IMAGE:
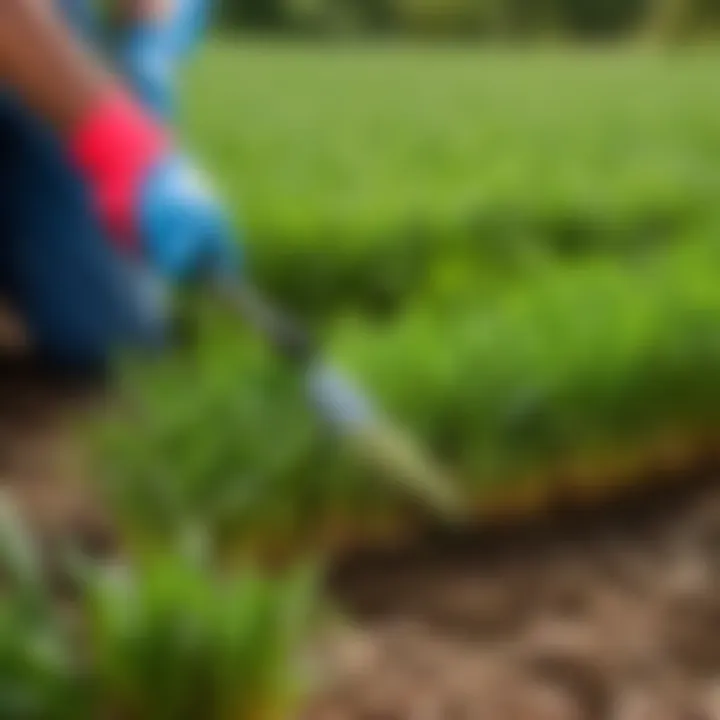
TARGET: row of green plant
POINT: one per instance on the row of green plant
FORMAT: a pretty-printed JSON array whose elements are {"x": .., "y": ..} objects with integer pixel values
[
  {"x": 359, "y": 171},
  {"x": 575, "y": 370},
  {"x": 378, "y": 271},
  {"x": 590, "y": 375}
]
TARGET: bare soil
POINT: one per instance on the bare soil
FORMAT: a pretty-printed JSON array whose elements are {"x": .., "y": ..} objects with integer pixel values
[
  {"x": 604, "y": 614},
  {"x": 609, "y": 614},
  {"x": 41, "y": 419}
]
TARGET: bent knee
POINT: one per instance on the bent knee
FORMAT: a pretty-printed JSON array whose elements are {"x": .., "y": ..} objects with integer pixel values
[{"x": 134, "y": 316}]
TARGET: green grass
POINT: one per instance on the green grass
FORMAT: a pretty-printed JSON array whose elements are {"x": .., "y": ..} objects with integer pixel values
[
  {"x": 162, "y": 637},
  {"x": 363, "y": 173}
]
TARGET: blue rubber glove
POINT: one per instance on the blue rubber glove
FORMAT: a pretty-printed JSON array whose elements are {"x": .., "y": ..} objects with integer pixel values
[
  {"x": 151, "y": 53},
  {"x": 186, "y": 234}
]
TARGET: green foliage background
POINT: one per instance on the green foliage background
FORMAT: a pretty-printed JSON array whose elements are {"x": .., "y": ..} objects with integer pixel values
[
  {"x": 365, "y": 174},
  {"x": 478, "y": 18}
]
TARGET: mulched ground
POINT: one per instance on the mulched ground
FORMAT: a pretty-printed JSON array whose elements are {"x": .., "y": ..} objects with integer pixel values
[
  {"x": 607, "y": 615},
  {"x": 612, "y": 614},
  {"x": 40, "y": 417}
]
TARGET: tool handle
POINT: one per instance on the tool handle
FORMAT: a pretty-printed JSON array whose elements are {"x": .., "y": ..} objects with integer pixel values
[
  {"x": 285, "y": 334},
  {"x": 343, "y": 406}
]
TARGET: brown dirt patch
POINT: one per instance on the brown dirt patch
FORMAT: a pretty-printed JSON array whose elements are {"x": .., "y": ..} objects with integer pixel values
[
  {"x": 611, "y": 614},
  {"x": 40, "y": 420}
]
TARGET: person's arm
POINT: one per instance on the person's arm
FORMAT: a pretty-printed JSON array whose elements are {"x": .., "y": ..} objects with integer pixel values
[
  {"x": 42, "y": 63},
  {"x": 146, "y": 193}
]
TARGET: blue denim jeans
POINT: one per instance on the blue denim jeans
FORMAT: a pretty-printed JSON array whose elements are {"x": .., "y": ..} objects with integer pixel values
[{"x": 80, "y": 300}]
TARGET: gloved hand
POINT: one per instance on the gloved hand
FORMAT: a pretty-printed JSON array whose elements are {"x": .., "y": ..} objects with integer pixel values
[
  {"x": 154, "y": 203},
  {"x": 152, "y": 49},
  {"x": 184, "y": 228}
]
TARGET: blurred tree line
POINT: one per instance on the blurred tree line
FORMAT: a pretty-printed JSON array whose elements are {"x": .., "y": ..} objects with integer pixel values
[{"x": 478, "y": 18}]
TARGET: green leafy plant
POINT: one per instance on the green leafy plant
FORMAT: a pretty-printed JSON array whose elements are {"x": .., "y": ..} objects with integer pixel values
[
  {"x": 597, "y": 375},
  {"x": 41, "y": 673},
  {"x": 166, "y": 638},
  {"x": 219, "y": 445},
  {"x": 170, "y": 640},
  {"x": 592, "y": 374}
]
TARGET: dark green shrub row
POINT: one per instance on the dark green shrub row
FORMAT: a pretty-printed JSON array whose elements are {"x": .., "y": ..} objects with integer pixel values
[{"x": 325, "y": 274}]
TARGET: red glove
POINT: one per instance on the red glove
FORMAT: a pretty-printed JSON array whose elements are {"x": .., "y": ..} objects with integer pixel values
[
  {"x": 153, "y": 200},
  {"x": 116, "y": 147}
]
